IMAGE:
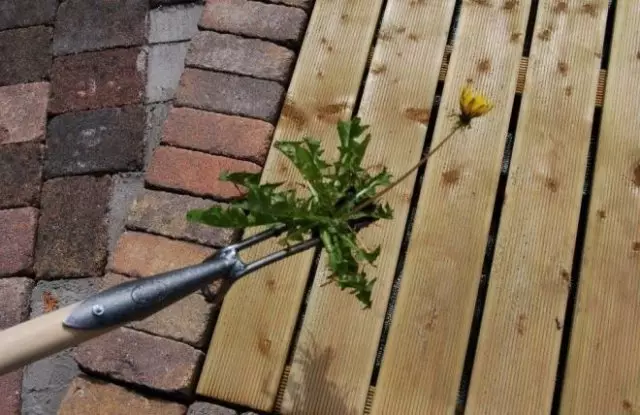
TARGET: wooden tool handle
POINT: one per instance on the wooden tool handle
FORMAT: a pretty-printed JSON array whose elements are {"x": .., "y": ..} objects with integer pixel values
[{"x": 40, "y": 337}]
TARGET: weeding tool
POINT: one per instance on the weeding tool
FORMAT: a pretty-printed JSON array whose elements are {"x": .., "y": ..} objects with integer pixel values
[{"x": 136, "y": 300}]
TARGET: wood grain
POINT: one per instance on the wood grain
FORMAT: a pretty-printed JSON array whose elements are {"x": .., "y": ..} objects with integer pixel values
[
  {"x": 603, "y": 368},
  {"x": 335, "y": 354},
  {"x": 423, "y": 359},
  {"x": 251, "y": 340},
  {"x": 517, "y": 355}
]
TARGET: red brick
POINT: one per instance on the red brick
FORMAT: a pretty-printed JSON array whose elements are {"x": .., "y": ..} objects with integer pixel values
[
  {"x": 10, "y": 389},
  {"x": 26, "y": 55},
  {"x": 230, "y": 94},
  {"x": 89, "y": 25},
  {"x": 18, "y": 230},
  {"x": 165, "y": 214},
  {"x": 195, "y": 172},
  {"x": 225, "y": 135},
  {"x": 20, "y": 174},
  {"x": 15, "y": 295},
  {"x": 24, "y": 112},
  {"x": 92, "y": 396},
  {"x": 254, "y": 19},
  {"x": 21, "y": 13},
  {"x": 135, "y": 357},
  {"x": 187, "y": 320},
  {"x": 72, "y": 234},
  {"x": 105, "y": 140},
  {"x": 229, "y": 53},
  {"x": 94, "y": 80},
  {"x": 142, "y": 255}
]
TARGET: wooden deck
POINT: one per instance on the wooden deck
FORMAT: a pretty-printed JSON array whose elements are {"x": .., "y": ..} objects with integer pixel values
[{"x": 510, "y": 276}]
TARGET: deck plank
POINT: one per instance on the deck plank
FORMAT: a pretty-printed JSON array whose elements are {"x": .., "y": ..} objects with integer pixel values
[
  {"x": 251, "y": 340},
  {"x": 336, "y": 351},
  {"x": 603, "y": 370},
  {"x": 516, "y": 361},
  {"x": 424, "y": 356}
]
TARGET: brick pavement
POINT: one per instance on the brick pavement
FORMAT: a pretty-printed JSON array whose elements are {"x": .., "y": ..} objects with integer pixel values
[{"x": 95, "y": 185}]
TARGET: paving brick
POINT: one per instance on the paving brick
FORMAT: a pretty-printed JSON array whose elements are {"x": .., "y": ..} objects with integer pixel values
[
  {"x": 230, "y": 53},
  {"x": 105, "y": 140},
  {"x": 175, "y": 23},
  {"x": 165, "y": 214},
  {"x": 15, "y": 295},
  {"x": 142, "y": 255},
  {"x": 24, "y": 112},
  {"x": 87, "y": 25},
  {"x": 46, "y": 380},
  {"x": 20, "y": 173},
  {"x": 205, "y": 408},
  {"x": 135, "y": 357},
  {"x": 156, "y": 116},
  {"x": 225, "y": 135},
  {"x": 21, "y": 63},
  {"x": 230, "y": 94},
  {"x": 91, "y": 396},
  {"x": 95, "y": 80},
  {"x": 20, "y": 13},
  {"x": 10, "y": 387},
  {"x": 72, "y": 234},
  {"x": 187, "y": 320},
  {"x": 254, "y": 19},
  {"x": 166, "y": 64},
  {"x": 194, "y": 172},
  {"x": 126, "y": 188},
  {"x": 18, "y": 230}
]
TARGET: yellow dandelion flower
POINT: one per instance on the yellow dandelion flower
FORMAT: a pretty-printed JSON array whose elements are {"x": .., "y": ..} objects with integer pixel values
[{"x": 472, "y": 105}]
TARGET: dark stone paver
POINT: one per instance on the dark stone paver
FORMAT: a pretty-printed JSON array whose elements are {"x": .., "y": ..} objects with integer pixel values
[
  {"x": 20, "y": 173},
  {"x": 165, "y": 214},
  {"x": 72, "y": 233},
  {"x": 92, "y": 396},
  {"x": 95, "y": 80},
  {"x": 230, "y": 94},
  {"x": 106, "y": 140},
  {"x": 225, "y": 135},
  {"x": 135, "y": 357},
  {"x": 230, "y": 53},
  {"x": 19, "y": 13},
  {"x": 142, "y": 255},
  {"x": 194, "y": 172},
  {"x": 18, "y": 228},
  {"x": 26, "y": 55},
  {"x": 205, "y": 408},
  {"x": 187, "y": 320},
  {"x": 255, "y": 19},
  {"x": 46, "y": 380},
  {"x": 174, "y": 23},
  {"x": 83, "y": 25},
  {"x": 16, "y": 295},
  {"x": 24, "y": 112}
]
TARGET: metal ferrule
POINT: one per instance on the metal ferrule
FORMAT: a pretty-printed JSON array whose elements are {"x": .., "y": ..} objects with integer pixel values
[{"x": 138, "y": 299}]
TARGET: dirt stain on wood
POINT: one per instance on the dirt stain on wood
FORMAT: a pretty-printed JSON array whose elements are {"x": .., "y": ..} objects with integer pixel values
[
  {"x": 636, "y": 246},
  {"x": 521, "y": 324},
  {"x": 563, "y": 68},
  {"x": 636, "y": 175},
  {"x": 568, "y": 91},
  {"x": 413, "y": 36},
  {"x": 484, "y": 66},
  {"x": 591, "y": 9},
  {"x": 566, "y": 276},
  {"x": 561, "y": 7},
  {"x": 551, "y": 184},
  {"x": 450, "y": 177},
  {"x": 602, "y": 214},
  {"x": 510, "y": 4},
  {"x": 545, "y": 34},
  {"x": 378, "y": 68},
  {"x": 330, "y": 113},
  {"x": 293, "y": 114},
  {"x": 420, "y": 115},
  {"x": 515, "y": 36}
]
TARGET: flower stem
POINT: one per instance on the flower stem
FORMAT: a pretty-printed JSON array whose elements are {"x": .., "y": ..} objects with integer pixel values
[{"x": 423, "y": 160}]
